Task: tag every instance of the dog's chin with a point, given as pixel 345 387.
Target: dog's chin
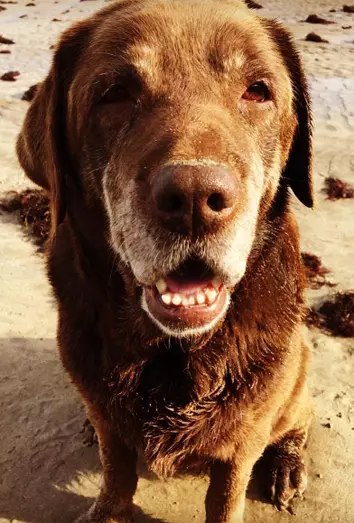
pixel 187 302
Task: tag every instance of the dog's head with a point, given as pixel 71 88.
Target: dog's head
pixel 183 119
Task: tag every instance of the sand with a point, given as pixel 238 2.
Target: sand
pixel 46 474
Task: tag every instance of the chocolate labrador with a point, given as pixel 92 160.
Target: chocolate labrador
pixel 169 135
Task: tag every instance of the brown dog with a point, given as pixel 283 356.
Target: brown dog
pixel 168 134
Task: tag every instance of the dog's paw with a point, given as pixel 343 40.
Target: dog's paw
pixel 288 481
pixel 286 471
pixel 89 434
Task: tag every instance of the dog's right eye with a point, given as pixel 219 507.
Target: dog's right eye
pixel 258 92
pixel 116 94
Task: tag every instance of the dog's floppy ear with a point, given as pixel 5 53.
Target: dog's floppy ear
pixel 298 171
pixel 41 145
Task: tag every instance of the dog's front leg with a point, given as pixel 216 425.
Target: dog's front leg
pixel 115 501
pixel 226 496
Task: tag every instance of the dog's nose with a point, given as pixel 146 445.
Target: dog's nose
pixel 194 198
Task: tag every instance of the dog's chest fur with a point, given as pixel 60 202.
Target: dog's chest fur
pixel 186 405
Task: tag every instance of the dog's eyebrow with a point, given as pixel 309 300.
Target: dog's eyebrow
pixel 251 68
pixel 232 50
pixel 235 61
pixel 144 58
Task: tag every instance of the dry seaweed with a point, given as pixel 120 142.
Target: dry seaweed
pixel 34 212
pixel 253 5
pixel 30 93
pixel 5 51
pixel 348 8
pixel 315 19
pixel 4 40
pixel 313 318
pixel 315 272
pixel 314 37
pixel 336 189
pixel 339 314
pixel 335 316
pixel 10 76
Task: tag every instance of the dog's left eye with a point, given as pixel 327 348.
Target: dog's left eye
pixel 257 92
pixel 115 94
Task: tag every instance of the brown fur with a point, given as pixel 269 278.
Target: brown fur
pixel 223 397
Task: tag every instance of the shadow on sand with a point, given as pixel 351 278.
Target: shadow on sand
pixel 47 474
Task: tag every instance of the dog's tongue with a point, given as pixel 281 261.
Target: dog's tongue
pixel 181 284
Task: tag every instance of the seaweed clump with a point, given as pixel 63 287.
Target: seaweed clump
pixel 30 93
pixel 33 208
pixel 316 273
pixel 314 37
pixel 315 19
pixel 336 189
pixel 335 316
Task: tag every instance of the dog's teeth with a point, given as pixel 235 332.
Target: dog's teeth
pixel 200 298
pixel 176 300
pixel 161 286
pixel 166 298
pixel 208 296
pixel 211 295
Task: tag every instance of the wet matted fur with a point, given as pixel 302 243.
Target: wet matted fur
pixel 141 87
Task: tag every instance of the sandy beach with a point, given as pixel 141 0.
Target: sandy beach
pixel 47 475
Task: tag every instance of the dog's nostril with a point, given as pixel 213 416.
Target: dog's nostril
pixel 216 202
pixel 170 203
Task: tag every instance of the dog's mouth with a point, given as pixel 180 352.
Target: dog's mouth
pixel 187 301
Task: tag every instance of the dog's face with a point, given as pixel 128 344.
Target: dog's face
pixel 182 118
